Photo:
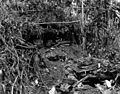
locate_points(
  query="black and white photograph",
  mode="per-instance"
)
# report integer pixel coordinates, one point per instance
(59, 46)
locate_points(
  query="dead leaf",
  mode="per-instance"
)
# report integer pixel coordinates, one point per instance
(100, 87)
(108, 83)
(53, 90)
(65, 87)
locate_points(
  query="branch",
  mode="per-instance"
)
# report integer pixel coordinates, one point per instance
(64, 22)
(14, 85)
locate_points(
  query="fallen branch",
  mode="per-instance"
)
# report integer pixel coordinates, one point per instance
(64, 22)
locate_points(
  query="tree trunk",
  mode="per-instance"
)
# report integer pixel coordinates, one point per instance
(82, 27)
